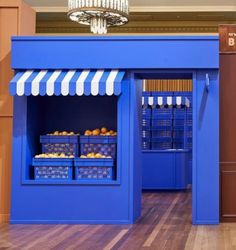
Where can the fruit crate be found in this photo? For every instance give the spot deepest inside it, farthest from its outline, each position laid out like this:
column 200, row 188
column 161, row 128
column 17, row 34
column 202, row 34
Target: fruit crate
column 53, row 169
column 162, row 113
column 161, row 131
column 146, row 134
column 178, row 143
column 189, row 122
column 179, row 122
column 158, row 122
column 146, row 122
column 53, row 144
column 162, row 143
column 146, row 145
column 94, row 169
column 178, row 133
column 146, row 113
column 189, row 143
column 189, row 131
column 105, row 145
column 179, row 113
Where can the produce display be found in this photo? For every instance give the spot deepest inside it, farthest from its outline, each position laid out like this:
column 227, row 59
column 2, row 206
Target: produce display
column 102, row 132
column 49, row 172
column 62, row 155
column 95, row 155
column 64, row 133
column 90, row 155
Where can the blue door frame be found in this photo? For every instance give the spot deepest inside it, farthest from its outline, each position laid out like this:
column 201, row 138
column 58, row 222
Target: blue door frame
column 197, row 56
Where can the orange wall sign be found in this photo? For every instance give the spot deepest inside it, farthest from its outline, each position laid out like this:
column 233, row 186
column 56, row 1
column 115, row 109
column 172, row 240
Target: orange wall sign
column 227, row 38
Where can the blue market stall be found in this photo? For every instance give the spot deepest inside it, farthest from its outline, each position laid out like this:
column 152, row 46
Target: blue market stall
column 81, row 83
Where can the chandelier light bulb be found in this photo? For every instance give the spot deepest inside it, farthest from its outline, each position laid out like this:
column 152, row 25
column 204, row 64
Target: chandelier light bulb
column 99, row 14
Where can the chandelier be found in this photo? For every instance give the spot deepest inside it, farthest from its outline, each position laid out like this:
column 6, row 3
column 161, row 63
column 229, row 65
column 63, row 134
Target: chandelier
column 99, row 14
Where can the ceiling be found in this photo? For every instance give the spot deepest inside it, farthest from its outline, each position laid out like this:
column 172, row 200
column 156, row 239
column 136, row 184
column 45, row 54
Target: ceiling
column 146, row 16
column 146, row 5
column 144, row 2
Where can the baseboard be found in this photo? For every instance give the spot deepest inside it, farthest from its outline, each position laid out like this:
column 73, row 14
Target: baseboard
column 4, row 218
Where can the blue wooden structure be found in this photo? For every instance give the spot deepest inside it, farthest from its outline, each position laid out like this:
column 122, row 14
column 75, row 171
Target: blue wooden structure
column 116, row 201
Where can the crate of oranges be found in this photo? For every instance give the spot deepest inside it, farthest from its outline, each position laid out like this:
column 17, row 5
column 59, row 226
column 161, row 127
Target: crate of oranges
column 99, row 141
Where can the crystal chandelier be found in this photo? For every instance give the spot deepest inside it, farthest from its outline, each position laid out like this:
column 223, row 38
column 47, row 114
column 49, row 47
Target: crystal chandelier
column 99, row 14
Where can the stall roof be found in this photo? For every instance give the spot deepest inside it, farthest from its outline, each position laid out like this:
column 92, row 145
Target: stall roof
column 67, row 82
column 126, row 52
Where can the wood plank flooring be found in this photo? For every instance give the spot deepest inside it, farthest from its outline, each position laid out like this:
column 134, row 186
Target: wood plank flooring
column 165, row 224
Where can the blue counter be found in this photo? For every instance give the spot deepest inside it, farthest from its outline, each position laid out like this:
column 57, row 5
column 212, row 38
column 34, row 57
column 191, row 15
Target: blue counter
column 165, row 169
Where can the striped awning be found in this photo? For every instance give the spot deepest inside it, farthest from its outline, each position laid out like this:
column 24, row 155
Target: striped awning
column 67, row 82
column 165, row 100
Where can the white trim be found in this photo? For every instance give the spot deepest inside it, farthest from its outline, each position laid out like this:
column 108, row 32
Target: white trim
column 169, row 100
column 178, row 100
column 51, row 82
column 36, row 81
column 80, row 82
column 95, row 82
column 20, row 85
column 66, row 82
column 150, row 100
column 142, row 100
column 110, row 82
column 160, row 100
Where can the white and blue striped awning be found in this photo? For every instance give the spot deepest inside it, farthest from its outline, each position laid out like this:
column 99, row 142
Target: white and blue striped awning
column 165, row 100
column 67, row 82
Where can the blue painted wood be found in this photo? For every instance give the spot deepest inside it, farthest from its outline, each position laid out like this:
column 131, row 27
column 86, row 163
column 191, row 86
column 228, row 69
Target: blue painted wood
column 70, row 203
column 165, row 169
column 174, row 52
column 205, row 148
column 135, row 146
column 180, row 55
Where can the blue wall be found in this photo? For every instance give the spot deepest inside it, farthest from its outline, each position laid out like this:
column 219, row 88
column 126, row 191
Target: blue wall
column 151, row 52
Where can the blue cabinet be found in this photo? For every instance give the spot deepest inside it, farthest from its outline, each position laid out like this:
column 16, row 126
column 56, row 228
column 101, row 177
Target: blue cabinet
column 165, row 169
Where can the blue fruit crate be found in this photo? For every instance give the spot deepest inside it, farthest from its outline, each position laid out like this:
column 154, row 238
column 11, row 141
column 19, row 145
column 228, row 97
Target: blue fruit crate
column 162, row 113
column 161, row 131
column 146, row 122
column 189, row 143
column 179, row 143
column 53, row 169
column 161, row 143
column 53, row 144
column 105, row 145
column 146, row 112
column 178, row 133
column 189, row 131
column 146, row 134
column 146, row 143
column 189, row 122
column 179, row 122
column 158, row 122
column 94, row 169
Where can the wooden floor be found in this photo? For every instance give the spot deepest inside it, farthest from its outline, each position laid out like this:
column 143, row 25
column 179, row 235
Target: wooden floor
column 165, row 224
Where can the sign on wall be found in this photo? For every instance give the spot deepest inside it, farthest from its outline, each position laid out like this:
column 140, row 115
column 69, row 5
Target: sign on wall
column 227, row 38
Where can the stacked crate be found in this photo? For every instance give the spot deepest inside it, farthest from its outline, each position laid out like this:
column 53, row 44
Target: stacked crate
column 166, row 127
column 161, row 126
column 146, row 122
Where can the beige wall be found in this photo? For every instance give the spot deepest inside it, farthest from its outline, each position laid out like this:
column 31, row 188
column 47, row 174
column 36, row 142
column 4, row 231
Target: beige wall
column 16, row 18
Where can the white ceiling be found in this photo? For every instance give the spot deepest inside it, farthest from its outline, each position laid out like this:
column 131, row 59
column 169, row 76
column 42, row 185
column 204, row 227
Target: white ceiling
column 63, row 3
column 148, row 5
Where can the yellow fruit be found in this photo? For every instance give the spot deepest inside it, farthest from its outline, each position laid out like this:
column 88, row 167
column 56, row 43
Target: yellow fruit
column 98, row 155
column 103, row 130
column 96, row 132
column 88, row 133
column 83, row 156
